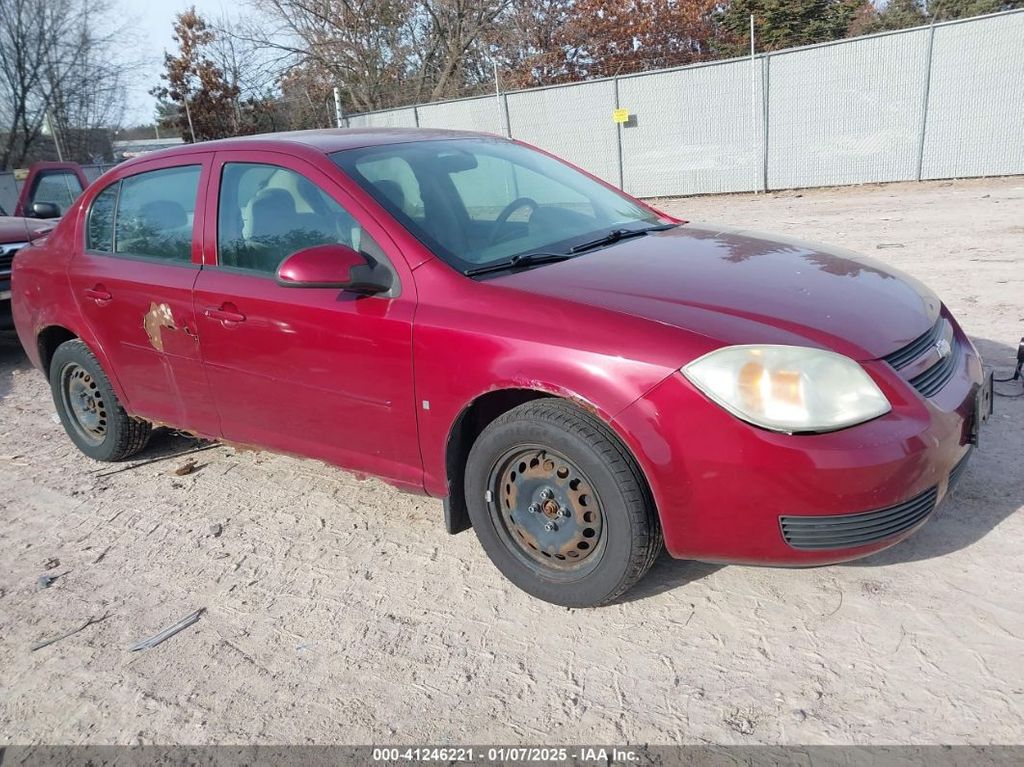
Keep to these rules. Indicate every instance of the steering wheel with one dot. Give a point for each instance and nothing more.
(512, 207)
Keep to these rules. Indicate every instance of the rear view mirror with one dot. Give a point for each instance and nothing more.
(45, 210)
(332, 266)
(457, 162)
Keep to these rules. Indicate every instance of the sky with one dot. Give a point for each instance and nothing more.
(154, 20)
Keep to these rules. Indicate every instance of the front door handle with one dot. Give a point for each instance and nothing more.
(226, 313)
(98, 293)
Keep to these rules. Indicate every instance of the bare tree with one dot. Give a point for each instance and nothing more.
(380, 52)
(54, 63)
(360, 43)
(88, 92)
(453, 33)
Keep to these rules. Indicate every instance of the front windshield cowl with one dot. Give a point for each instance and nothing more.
(476, 202)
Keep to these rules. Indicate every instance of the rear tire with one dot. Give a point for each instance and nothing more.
(560, 506)
(89, 409)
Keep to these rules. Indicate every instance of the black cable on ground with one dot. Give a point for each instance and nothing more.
(1016, 375)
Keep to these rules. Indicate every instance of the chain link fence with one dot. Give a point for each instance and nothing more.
(944, 101)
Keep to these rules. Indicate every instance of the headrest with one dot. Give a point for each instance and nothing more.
(163, 214)
(392, 191)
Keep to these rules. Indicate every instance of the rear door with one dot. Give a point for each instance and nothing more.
(312, 371)
(140, 253)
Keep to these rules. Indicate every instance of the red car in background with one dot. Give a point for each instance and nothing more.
(47, 189)
(578, 376)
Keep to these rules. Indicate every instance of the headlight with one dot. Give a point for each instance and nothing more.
(788, 388)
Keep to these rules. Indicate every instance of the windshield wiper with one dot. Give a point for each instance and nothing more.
(523, 259)
(618, 234)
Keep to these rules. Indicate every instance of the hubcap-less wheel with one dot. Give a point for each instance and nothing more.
(549, 510)
(83, 400)
(548, 455)
(89, 408)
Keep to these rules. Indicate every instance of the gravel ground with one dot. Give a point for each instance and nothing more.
(338, 611)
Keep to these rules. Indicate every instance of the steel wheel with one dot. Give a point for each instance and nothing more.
(559, 504)
(83, 400)
(88, 406)
(549, 510)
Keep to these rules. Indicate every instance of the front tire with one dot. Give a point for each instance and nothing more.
(89, 409)
(560, 506)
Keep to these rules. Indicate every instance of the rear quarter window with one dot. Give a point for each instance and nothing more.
(99, 233)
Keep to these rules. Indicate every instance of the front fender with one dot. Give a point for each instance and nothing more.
(438, 417)
(486, 340)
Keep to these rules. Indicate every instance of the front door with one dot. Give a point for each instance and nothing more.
(311, 371)
(133, 281)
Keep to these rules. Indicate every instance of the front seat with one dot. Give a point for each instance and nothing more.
(392, 193)
(164, 230)
(275, 227)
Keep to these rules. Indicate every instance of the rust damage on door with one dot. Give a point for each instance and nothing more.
(155, 320)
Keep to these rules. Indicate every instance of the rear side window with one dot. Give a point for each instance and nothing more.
(155, 211)
(58, 187)
(100, 230)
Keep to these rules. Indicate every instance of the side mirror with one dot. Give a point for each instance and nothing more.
(332, 266)
(45, 210)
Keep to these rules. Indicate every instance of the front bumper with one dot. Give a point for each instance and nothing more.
(727, 491)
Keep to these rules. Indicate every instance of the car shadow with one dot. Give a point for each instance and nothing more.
(992, 487)
(668, 574)
(12, 358)
(167, 443)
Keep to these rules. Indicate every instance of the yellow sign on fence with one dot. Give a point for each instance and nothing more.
(620, 116)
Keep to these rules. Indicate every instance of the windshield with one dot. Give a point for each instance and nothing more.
(482, 201)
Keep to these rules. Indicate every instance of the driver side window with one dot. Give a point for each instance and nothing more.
(266, 213)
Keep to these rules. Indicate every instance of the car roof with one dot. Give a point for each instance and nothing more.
(326, 140)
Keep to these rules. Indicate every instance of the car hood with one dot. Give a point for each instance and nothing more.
(15, 229)
(741, 287)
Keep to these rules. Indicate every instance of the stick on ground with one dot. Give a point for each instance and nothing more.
(66, 634)
(168, 632)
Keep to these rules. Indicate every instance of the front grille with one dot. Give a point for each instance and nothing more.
(904, 356)
(934, 378)
(7, 251)
(845, 531)
(930, 381)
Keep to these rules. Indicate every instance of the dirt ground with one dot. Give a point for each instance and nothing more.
(339, 611)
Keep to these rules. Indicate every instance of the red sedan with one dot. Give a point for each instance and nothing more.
(578, 376)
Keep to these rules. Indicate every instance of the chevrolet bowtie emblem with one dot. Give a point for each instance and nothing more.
(943, 348)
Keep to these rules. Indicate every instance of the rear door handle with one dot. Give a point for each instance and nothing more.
(224, 314)
(98, 293)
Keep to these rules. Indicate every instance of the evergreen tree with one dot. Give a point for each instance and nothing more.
(786, 23)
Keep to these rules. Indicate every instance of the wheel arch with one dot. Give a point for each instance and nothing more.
(477, 415)
(471, 420)
(50, 336)
(47, 341)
